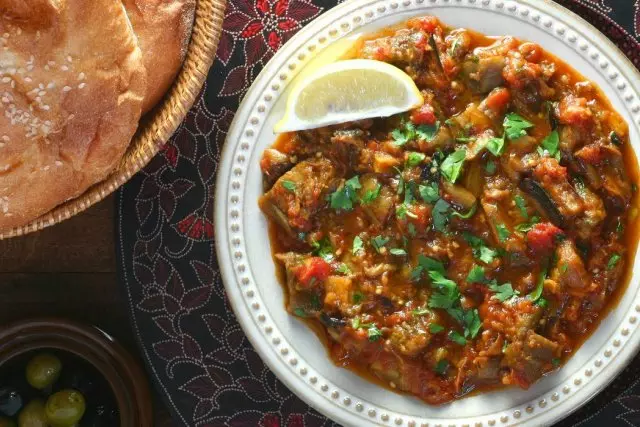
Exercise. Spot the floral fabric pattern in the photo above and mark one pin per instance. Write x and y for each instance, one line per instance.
(194, 349)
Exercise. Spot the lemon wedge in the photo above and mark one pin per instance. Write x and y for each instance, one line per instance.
(348, 90)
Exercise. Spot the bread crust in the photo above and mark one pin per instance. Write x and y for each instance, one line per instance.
(72, 83)
(164, 29)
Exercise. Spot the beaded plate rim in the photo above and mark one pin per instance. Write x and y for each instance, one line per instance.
(244, 295)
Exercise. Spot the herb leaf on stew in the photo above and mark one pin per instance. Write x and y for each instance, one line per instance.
(439, 214)
(452, 165)
(358, 246)
(428, 132)
(345, 197)
(371, 195)
(430, 192)
(515, 126)
(550, 144)
(503, 292)
(496, 146)
(289, 186)
(378, 242)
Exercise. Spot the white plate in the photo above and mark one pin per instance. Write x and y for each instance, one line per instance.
(288, 347)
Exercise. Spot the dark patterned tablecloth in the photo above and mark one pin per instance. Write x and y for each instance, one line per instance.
(194, 349)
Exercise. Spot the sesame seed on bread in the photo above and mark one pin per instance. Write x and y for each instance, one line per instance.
(163, 28)
(72, 84)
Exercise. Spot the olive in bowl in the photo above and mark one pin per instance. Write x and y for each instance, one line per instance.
(60, 385)
(77, 375)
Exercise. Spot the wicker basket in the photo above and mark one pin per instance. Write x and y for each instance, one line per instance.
(156, 129)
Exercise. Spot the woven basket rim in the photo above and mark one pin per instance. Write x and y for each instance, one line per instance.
(158, 127)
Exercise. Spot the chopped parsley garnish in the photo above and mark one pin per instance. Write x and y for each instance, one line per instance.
(420, 311)
(372, 330)
(555, 362)
(550, 145)
(358, 297)
(457, 338)
(408, 132)
(619, 227)
(526, 226)
(476, 275)
(343, 269)
(615, 138)
(490, 167)
(471, 322)
(300, 312)
(503, 232)
(411, 229)
(480, 250)
(515, 126)
(404, 134)
(442, 366)
(289, 186)
(503, 292)
(430, 192)
(378, 242)
(467, 215)
(414, 159)
(439, 214)
(428, 132)
(615, 258)
(452, 165)
(358, 246)
(564, 267)
(446, 295)
(345, 197)
(536, 294)
(431, 264)
(323, 249)
(434, 328)
(402, 211)
(542, 302)
(374, 333)
(371, 195)
(496, 146)
(398, 252)
(522, 206)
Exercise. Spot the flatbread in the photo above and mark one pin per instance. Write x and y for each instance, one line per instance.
(163, 28)
(72, 82)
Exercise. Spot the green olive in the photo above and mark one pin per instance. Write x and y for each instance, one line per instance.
(32, 415)
(6, 422)
(65, 408)
(43, 370)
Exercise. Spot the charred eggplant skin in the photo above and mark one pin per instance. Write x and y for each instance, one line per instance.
(535, 190)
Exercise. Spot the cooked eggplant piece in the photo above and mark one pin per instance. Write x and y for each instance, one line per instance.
(569, 270)
(459, 195)
(297, 196)
(332, 322)
(485, 74)
(273, 164)
(549, 207)
(527, 357)
(436, 52)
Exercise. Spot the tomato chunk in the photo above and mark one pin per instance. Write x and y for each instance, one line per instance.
(550, 169)
(541, 237)
(424, 115)
(313, 270)
(575, 111)
(498, 99)
(425, 23)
